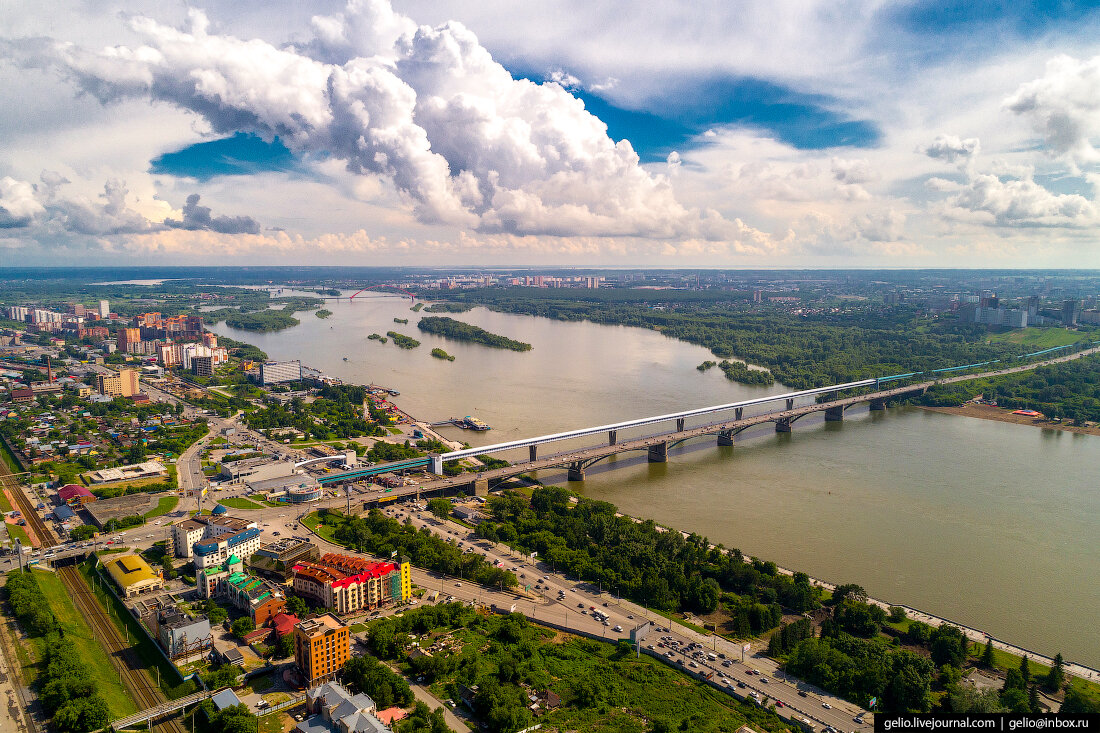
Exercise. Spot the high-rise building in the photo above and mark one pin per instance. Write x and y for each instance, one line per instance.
(123, 384)
(321, 648)
(1070, 310)
(128, 339)
(104, 309)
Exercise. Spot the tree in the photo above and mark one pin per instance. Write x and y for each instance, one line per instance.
(243, 626)
(215, 613)
(297, 606)
(1080, 700)
(1025, 670)
(849, 590)
(987, 655)
(897, 614)
(948, 646)
(1057, 675)
(285, 647)
(440, 507)
(909, 683)
(1033, 700)
(236, 719)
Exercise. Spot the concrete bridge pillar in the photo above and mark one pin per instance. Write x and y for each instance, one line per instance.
(534, 451)
(877, 405)
(481, 487)
(790, 403)
(725, 438)
(437, 465)
(738, 413)
(783, 425)
(658, 453)
(576, 471)
(834, 414)
(679, 425)
(612, 437)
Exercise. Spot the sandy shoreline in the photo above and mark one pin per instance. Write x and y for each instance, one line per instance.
(1001, 414)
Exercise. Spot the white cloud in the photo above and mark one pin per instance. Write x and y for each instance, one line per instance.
(951, 148)
(986, 199)
(1064, 107)
(18, 205)
(428, 108)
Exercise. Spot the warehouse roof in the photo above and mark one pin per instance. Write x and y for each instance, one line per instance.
(128, 570)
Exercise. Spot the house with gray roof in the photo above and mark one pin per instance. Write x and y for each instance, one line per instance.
(335, 710)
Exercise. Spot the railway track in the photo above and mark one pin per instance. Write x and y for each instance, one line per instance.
(141, 688)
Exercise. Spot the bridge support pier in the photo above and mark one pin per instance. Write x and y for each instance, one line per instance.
(834, 414)
(725, 439)
(658, 453)
(612, 437)
(783, 425)
(437, 465)
(481, 487)
(790, 404)
(576, 471)
(679, 425)
(738, 413)
(877, 405)
(534, 451)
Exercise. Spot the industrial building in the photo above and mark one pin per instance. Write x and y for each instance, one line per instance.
(182, 636)
(133, 576)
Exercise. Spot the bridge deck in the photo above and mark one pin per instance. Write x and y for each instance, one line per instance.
(588, 456)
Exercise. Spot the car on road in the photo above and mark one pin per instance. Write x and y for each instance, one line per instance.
(580, 605)
(827, 706)
(741, 684)
(617, 628)
(802, 693)
(858, 719)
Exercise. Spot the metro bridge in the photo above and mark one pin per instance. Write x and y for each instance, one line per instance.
(658, 444)
(781, 409)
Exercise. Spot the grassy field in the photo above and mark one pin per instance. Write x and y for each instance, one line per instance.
(18, 533)
(91, 652)
(165, 505)
(1041, 338)
(239, 503)
(147, 651)
(5, 505)
(325, 533)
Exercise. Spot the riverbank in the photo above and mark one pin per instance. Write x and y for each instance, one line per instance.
(1001, 414)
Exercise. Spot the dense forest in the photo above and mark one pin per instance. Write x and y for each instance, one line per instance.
(663, 570)
(382, 536)
(1069, 390)
(459, 331)
(800, 350)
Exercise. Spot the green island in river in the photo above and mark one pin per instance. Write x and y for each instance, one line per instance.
(450, 328)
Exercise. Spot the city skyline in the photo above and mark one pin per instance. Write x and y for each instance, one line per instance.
(874, 135)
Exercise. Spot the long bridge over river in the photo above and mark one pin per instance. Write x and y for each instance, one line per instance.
(781, 409)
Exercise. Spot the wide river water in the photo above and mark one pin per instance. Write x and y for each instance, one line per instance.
(989, 524)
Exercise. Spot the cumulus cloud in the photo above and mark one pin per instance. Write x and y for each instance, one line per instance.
(427, 108)
(853, 171)
(952, 149)
(18, 205)
(986, 199)
(197, 217)
(109, 214)
(1064, 107)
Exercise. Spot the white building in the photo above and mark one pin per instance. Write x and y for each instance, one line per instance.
(198, 528)
(104, 309)
(273, 372)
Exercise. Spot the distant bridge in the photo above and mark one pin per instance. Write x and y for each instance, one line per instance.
(784, 416)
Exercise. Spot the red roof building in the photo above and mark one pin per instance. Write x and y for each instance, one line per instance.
(75, 494)
(284, 623)
(346, 584)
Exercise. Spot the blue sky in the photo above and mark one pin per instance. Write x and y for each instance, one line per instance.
(817, 134)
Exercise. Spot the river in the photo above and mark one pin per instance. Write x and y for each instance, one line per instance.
(989, 524)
